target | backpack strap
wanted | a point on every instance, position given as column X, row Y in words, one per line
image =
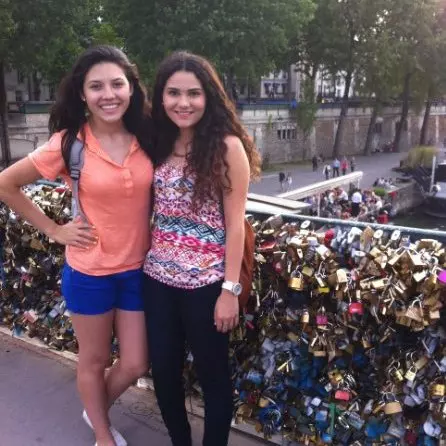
column 76, row 164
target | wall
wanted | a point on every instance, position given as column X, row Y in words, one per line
column 264, row 122
column 26, row 131
column 407, row 197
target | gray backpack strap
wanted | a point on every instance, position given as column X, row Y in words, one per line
column 76, row 164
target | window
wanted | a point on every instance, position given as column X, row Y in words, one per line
column 279, row 134
column 288, row 134
column 378, row 127
column 19, row 96
column 294, row 134
column 20, row 77
column 283, row 134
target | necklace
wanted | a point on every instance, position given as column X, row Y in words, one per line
column 179, row 155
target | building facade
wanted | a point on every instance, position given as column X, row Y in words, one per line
column 22, row 88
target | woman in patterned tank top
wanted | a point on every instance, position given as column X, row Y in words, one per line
column 205, row 161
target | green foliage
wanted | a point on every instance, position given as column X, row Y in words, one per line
column 421, row 156
column 105, row 33
column 380, row 191
column 244, row 38
column 307, row 108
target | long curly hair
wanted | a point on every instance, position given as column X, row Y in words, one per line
column 207, row 157
column 68, row 112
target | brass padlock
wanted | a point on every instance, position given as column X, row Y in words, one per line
column 437, row 390
column 411, row 373
column 392, row 406
column 295, row 282
column 396, row 374
column 307, row 271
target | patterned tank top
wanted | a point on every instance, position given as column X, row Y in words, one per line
column 188, row 246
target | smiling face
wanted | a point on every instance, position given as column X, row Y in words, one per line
column 184, row 99
column 107, row 92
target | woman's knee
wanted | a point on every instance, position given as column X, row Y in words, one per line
column 134, row 368
column 92, row 363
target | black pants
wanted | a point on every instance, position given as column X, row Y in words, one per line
column 175, row 316
column 355, row 209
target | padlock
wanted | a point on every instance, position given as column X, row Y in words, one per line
column 437, row 390
column 295, row 281
column 356, row 308
column 305, row 317
column 396, row 374
column 411, row 373
column 392, row 405
column 415, row 311
column 321, row 317
column 307, row 271
column 343, row 395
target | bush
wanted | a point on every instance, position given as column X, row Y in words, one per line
column 380, row 191
column 421, row 156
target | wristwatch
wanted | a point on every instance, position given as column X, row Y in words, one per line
column 234, row 288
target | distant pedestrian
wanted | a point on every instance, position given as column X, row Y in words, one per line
column 336, row 166
column 282, row 181
column 326, row 171
column 344, row 165
column 289, row 181
column 356, row 202
column 315, row 161
column 352, row 164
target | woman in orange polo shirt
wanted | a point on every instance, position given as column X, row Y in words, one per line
column 102, row 103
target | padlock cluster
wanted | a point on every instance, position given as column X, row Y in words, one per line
column 30, row 299
column 343, row 340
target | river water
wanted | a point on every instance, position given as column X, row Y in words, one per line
column 418, row 219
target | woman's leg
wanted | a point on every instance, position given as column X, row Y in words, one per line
column 166, row 345
column 210, row 350
column 94, row 335
column 130, row 329
column 132, row 363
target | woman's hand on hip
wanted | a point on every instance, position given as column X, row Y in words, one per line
column 75, row 233
column 226, row 313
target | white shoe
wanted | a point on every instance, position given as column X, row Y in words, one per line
column 119, row 439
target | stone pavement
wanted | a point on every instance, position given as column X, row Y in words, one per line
column 39, row 404
column 373, row 167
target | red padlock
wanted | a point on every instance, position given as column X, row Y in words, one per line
column 356, row 308
column 278, row 268
column 342, row 395
column 410, row 438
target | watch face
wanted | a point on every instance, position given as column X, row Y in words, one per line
column 237, row 289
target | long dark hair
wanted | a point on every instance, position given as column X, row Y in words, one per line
column 68, row 112
column 207, row 156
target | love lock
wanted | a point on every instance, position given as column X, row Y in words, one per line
column 392, row 405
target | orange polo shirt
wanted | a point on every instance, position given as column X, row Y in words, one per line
column 114, row 198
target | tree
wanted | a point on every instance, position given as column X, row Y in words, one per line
column 244, row 38
column 350, row 27
column 376, row 80
column 40, row 36
column 306, row 111
column 413, row 24
column 430, row 84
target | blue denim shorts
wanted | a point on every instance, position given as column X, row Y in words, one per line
column 89, row 295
